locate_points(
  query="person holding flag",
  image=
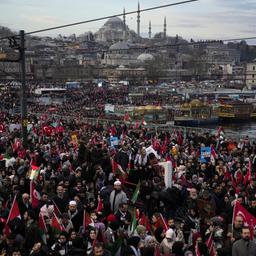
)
(123, 216)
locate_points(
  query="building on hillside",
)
(250, 75)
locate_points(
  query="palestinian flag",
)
(42, 227)
(136, 194)
(143, 122)
(133, 224)
(117, 170)
(56, 224)
(34, 172)
(56, 209)
(14, 213)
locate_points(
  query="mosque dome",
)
(145, 56)
(119, 46)
(114, 20)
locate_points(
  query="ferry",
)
(195, 113)
(236, 111)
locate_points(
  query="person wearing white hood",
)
(167, 243)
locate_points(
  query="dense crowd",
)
(76, 191)
(87, 101)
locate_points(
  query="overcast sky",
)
(205, 19)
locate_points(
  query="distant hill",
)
(4, 31)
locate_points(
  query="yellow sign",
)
(74, 138)
(25, 122)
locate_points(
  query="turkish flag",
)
(47, 130)
(34, 194)
(2, 128)
(249, 220)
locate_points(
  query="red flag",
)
(145, 222)
(249, 219)
(14, 213)
(34, 195)
(56, 209)
(115, 166)
(210, 246)
(100, 205)
(161, 223)
(47, 130)
(17, 144)
(87, 220)
(137, 125)
(56, 224)
(59, 129)
(248, 176)
(41, 223)
(127, 117)
(2, 128)
(164, 145)
(179, 138)
(113, 130)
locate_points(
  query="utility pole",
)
(23, 94)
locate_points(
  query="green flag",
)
(117, 246)
(136, 193)
(133, 224)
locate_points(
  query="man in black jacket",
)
(243, 246)
(60, 200)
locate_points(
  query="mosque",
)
(116, 29)
(122, 42)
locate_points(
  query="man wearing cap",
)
(117, 196)
(75, 216)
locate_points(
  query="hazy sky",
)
(205, 19)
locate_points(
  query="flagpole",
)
(30, 188)
(11, 209)
(234, 208)
(165, 225)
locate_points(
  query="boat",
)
(236, 111)
(195, 113)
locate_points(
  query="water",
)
(241, 129)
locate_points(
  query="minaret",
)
(164, 27)
(138, 20)
(124, 31)
(149, 30)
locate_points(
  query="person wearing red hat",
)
(111, 232)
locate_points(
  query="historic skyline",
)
(199, 20)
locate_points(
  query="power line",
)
(147, 47)
(105, 17)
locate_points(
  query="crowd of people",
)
(75, 191)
